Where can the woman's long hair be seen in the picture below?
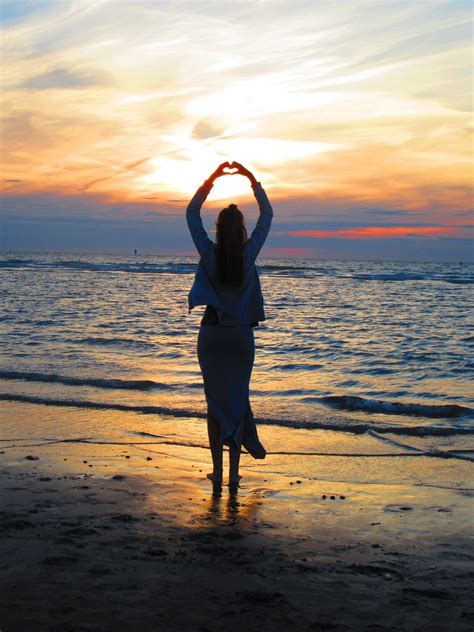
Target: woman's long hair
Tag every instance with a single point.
(231, 236)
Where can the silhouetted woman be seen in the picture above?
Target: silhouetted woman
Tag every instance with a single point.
(227, 283)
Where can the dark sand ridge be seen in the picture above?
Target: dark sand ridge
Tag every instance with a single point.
(154, 549)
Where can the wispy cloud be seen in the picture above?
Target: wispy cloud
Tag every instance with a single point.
(362, 104)
(65, 78)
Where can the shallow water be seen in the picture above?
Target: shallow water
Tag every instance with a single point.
(358, 346)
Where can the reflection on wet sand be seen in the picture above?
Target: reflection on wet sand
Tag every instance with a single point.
(232, 509)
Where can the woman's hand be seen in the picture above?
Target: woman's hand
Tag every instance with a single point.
(219, 171)
(243, 171)
(237, 169)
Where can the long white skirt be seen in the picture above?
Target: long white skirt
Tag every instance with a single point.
(226, 356)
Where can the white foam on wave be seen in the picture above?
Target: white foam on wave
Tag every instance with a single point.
(440, 411)
(346, 425)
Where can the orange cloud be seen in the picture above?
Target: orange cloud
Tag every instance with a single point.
(370, 232)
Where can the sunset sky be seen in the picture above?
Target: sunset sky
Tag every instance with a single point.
(355, 116)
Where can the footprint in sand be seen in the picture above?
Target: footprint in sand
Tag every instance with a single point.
(263, 491)
(439, 508)
(397, 508)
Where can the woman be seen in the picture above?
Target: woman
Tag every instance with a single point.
(227, 283)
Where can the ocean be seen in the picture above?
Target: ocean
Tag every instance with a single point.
(379, 348)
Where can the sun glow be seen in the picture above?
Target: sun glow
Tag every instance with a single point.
(200, 159)
(184, 177)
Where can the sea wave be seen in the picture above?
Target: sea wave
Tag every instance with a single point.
(120, 384)
(440, 411)
(341, 402)
(395, 276)
(136, 385)
(116, 342)
(346, 425)
(91, 266)
(410, 276)
(292, 269)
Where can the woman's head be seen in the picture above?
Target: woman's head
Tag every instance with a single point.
(231, 226)
(231, 236)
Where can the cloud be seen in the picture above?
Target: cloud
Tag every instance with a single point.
(205, 129)
(66, 79)
(18, 128)
(373, 232)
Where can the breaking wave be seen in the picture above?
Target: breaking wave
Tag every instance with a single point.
(441, 411)
(347, 425)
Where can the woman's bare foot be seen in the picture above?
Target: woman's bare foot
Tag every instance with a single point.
(235, 482)
(215, 478)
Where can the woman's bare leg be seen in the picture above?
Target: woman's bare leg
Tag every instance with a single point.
(215, 444)
(234, 460)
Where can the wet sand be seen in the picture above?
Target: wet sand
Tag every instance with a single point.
(115, 537)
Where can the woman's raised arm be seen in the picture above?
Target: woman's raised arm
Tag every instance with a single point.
(193, 215)
(262, 228)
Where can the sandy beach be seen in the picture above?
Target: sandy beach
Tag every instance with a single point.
(120, 536)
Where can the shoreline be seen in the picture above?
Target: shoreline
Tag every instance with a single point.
(109, 536)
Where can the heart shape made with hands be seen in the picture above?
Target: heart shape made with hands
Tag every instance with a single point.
(230, 170)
